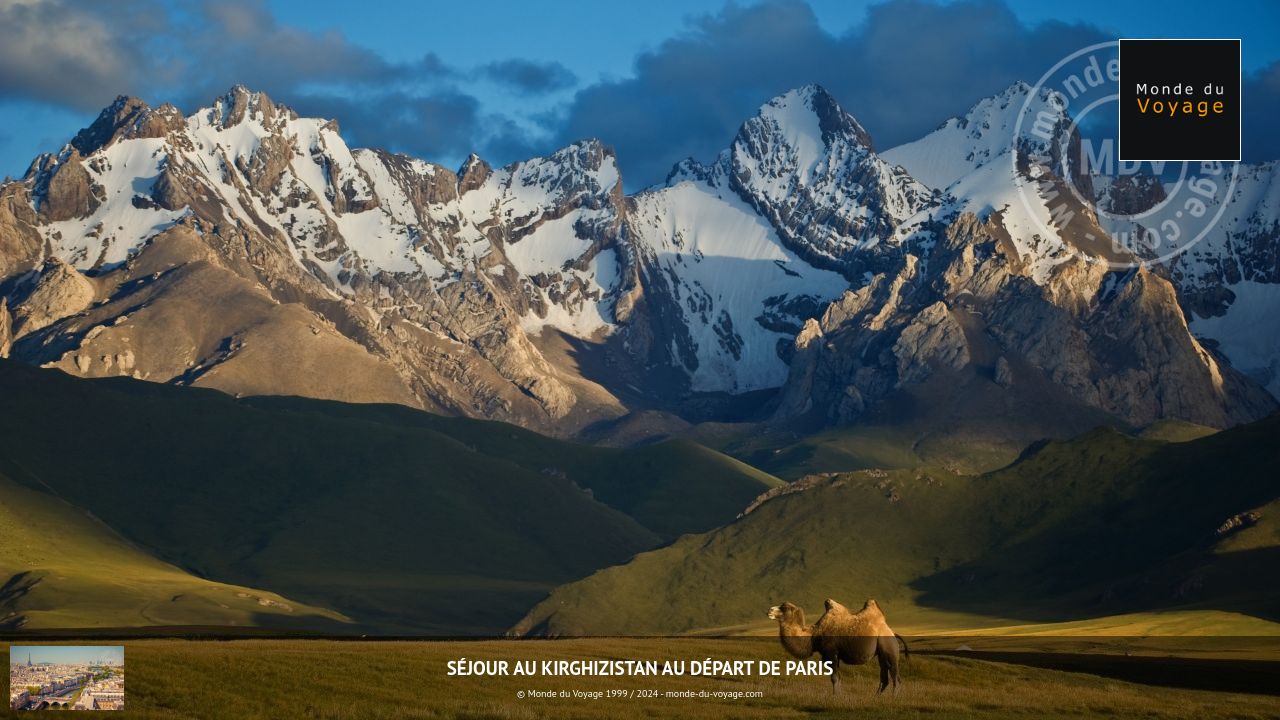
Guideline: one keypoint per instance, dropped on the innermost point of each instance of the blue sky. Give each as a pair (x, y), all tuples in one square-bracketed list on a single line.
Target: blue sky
[(66, 654), (659, 80)]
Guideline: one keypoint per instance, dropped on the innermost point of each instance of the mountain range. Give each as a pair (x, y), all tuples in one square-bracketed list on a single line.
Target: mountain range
[(800, 278), (261, 378)]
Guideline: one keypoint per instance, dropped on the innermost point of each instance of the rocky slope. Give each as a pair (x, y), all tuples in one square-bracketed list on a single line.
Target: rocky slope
[(248, 249), (1229, 281), (1225, 282)]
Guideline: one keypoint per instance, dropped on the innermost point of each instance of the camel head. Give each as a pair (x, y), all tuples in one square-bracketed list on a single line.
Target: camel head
[(786, 613)]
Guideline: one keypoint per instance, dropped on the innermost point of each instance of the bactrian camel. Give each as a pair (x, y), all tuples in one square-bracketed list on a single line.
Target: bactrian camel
[(842, 636)]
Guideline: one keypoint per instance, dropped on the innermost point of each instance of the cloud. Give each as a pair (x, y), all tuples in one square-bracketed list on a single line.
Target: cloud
[(529, 77), (61, 53), (242, 42), (903, 70), (436, 126), (81, 55), (906, 69), (1260, 108)]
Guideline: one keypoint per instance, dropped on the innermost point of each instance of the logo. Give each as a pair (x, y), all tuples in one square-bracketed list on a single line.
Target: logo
[(1180, 99), (1075, 186)]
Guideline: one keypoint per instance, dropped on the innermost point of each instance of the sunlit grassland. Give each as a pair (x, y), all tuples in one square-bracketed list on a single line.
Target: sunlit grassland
[(359, 679)]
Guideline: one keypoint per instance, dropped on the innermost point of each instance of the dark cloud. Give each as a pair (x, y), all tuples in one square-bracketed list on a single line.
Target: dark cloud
[(81, 55), (242, 42), (437, 126), (63, 53), (529, 77), (910, 66), (1261, 107), (905, 69)]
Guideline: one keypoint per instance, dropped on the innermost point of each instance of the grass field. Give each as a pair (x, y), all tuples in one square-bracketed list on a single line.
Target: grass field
[(1102, 525), (245, 679)]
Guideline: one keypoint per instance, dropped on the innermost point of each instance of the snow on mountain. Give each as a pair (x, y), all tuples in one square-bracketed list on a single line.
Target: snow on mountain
[(444, 278), (972, 159), (1240, 246), (809, 168), (984, 135), (748, 248), (1229, 280), (559, 213), (119, 224), (351, 213), (738, 289)]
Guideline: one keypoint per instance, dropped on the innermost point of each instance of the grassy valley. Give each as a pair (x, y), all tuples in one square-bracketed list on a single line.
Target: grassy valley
[(63, 568), (1101, 525), (400, 520)]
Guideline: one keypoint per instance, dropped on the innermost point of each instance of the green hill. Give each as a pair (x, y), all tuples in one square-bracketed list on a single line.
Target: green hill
[(1104, 524), (672, 487), (400, 520), (63, 568), (960, 421)]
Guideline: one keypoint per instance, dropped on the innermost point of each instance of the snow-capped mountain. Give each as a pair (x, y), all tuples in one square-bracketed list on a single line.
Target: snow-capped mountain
[(245, 248), (986, 134), (1226, 281), (722, 285), (808, 167), (743, 251), (432, 276), (1229, 281)]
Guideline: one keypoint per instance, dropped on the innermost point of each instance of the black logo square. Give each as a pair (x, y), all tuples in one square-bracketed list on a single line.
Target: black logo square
[(1179, 100)]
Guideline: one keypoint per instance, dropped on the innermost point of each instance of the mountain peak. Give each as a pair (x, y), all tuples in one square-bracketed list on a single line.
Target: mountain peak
[(127, 117), (239, 103), (799, 107), (109, 122), (585, 165), (988, 129), (472, 173), (804, 93)]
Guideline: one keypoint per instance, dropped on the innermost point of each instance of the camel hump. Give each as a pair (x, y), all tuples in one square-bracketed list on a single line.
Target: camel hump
[(833, 605)]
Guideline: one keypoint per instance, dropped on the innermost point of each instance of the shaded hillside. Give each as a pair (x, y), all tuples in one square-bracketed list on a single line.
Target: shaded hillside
[(1103, 524), (60, 567), (381, 513), (672, 487)]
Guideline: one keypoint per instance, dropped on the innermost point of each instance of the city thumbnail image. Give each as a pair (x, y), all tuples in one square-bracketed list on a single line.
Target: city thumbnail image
[(66, 677)]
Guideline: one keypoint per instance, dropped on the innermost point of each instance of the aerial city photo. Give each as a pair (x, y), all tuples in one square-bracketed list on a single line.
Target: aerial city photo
[(66, 677)]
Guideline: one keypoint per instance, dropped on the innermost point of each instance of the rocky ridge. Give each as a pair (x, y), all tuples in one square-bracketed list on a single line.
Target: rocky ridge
[(249, 249)]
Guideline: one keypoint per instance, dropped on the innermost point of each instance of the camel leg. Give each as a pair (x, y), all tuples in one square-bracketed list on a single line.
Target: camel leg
[(884, 671), (891, 656), (835, 675)]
